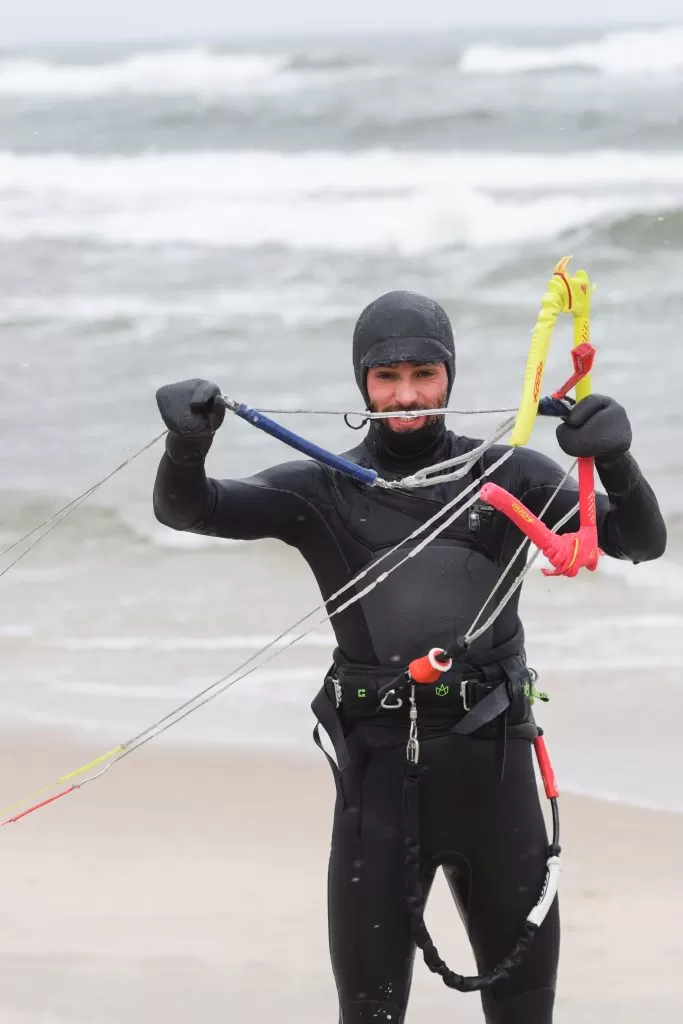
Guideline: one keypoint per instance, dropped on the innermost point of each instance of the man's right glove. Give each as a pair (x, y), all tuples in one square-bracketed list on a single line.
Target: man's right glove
[(189, 408)]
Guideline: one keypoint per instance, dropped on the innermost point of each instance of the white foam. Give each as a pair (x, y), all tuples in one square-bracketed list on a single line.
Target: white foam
[(12, 631), (309, 303), (187, 643), (197, 71), (282, 678), (180, 540), (657, 52), (375, 200)]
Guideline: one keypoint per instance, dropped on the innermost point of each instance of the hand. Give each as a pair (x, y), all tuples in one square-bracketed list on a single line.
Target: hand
[(189, 408), (597, 427)]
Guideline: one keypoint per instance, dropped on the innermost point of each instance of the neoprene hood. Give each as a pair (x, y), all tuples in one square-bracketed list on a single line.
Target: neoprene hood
[(402, 327)]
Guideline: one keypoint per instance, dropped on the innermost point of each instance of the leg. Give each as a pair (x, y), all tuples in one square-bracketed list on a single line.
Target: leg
[(506, 852), (370, 941)]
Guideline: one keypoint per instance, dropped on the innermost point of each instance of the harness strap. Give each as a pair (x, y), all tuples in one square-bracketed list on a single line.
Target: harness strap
[(327, 717), (507, 694), (491, 706)]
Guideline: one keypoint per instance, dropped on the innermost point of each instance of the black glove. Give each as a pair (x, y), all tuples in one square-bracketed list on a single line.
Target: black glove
[(189, 408), (597, 427)]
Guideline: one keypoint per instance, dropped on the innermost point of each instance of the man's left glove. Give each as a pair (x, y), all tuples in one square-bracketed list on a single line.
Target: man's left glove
[(597, 427)]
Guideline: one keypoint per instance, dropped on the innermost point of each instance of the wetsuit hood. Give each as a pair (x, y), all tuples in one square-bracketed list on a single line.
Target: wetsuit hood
[(403, 327)]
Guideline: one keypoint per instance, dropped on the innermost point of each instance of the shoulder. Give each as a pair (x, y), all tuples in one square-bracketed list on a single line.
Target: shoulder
[(300, 476)]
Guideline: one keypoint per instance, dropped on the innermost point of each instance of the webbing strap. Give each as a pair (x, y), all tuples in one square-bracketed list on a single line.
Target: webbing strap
[(327, 716)]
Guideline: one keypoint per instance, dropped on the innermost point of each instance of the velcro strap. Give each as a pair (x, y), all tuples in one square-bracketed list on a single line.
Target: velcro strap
[(509, 695), (483, 712)]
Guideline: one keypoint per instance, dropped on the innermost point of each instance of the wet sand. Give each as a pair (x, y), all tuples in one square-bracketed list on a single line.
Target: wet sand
[(188, 885)]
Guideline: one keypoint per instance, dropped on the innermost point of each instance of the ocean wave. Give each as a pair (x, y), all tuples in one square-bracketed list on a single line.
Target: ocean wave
[(643, 231), (289, 680), (371, 201), (251, 641), (196, 71), (206, 72), (165, 73), (658, 52), (16, 631)]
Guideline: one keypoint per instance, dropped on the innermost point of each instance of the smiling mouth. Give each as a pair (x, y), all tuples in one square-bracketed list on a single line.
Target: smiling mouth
[(416, 419)]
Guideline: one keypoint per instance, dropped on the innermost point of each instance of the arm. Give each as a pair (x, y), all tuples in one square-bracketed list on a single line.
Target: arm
[(277, 503), (183, 496), (633, 526)]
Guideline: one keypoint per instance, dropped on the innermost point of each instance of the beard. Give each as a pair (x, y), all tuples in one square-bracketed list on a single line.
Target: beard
[(413, 438), (412, 426)]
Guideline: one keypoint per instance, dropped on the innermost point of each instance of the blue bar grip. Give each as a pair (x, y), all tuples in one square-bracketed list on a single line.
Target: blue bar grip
[(258, 419), (553, 407)]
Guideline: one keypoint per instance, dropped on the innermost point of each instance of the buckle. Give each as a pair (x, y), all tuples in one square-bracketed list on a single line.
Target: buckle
[(465, 694), (385, 701), (392, 689)]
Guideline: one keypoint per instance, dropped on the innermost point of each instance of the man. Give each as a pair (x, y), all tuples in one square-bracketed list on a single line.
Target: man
[(480, 821)]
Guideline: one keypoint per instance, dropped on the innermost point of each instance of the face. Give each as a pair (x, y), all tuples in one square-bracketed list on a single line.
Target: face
[(407, 386)]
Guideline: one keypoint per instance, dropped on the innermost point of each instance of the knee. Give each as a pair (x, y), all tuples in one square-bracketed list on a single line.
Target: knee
[(535, 1006), (371, 1011)]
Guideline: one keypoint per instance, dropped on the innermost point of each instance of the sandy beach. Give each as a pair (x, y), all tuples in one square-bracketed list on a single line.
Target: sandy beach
[(189, 885)]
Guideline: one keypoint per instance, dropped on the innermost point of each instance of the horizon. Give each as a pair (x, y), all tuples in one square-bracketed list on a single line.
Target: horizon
[(144, 34)]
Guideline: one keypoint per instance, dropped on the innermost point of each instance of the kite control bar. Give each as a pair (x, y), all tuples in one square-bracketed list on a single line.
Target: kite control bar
[(566, 552)]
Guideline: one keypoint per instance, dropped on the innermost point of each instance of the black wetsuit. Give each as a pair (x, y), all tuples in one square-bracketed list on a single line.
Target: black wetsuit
[(488, 833)]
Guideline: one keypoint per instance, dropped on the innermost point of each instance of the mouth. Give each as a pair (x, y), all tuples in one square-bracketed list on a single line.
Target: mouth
[(412, 422)]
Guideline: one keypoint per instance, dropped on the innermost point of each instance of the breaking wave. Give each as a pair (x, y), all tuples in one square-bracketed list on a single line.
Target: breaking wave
[(370, 201), (624, 53), (196, 71)]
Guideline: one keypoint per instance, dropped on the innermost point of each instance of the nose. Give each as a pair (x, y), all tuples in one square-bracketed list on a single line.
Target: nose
[(406, 392)]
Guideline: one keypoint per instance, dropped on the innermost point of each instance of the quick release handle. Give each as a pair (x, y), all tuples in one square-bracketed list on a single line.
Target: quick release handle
[(429, 667)]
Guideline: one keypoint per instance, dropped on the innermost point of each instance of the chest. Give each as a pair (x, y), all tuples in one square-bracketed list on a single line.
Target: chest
[(377, 520)]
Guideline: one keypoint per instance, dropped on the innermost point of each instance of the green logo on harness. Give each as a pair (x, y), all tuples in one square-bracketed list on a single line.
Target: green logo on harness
[(362, 693), (442, 690), (532, 694)]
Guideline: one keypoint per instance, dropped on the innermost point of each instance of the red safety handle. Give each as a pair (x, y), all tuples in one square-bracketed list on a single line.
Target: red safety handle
[(566, 552), (546, 769)]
